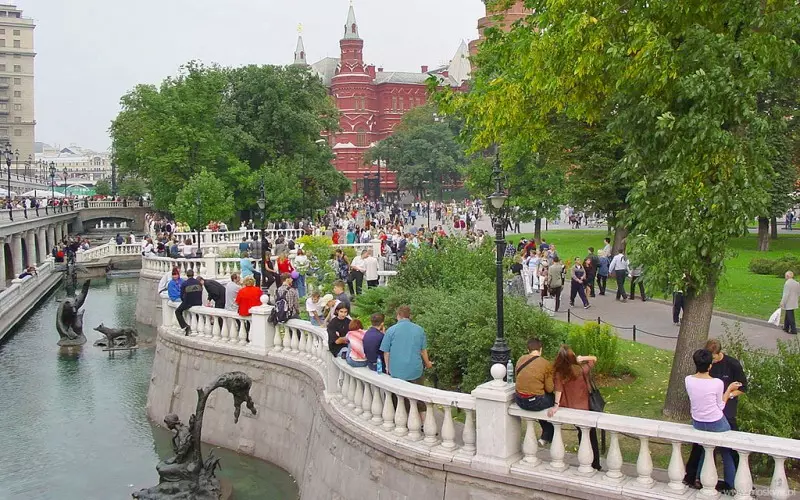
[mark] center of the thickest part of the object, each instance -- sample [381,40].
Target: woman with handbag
[571,380]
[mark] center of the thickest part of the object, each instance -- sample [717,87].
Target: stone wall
[148,303]
[296,429]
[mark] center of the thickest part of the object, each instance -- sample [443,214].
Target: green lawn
[740,292]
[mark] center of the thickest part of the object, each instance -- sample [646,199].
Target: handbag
[596,401]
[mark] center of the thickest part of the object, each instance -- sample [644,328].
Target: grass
[740,291]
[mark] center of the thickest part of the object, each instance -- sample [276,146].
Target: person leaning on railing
[534,385]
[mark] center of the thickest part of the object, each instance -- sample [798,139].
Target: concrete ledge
[14,313]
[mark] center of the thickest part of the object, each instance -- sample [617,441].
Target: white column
[65,229]
[58,234]
[16,254]
[262,332]
[2,263]
[30,244]
[51,238]
[498,440]
[41,240]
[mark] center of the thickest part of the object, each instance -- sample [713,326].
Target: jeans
[301,285]
[621,284]
[728,466]
[556,292]
[539,403]
[601,283]
[789,324]
[590,281]
[354,363]
[372,283]
[577,288]
[634,281]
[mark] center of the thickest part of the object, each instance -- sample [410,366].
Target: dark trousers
[556,292]
[372,283]
[621,284]
[602,281]
[677,306]
[693,464]
[179,314]
[634,281]
[595,447]
[269,279]
[257,277]
[356,277]
[590,281]
[789,324]
[539,403]
[577,288]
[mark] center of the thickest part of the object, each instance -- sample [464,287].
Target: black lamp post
[262,205]
[16,160]
[66,187]
[28,166]
[8,154]
[500,350]
[52,180]
[198,202]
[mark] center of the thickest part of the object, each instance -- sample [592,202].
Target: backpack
[281,307]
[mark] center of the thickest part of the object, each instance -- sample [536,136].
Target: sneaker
[587,306]
[188,331]
[624,299]
[543,443]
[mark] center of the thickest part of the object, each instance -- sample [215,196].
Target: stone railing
[17,215]
[108,251]
[492,435]
[21,287]
[116,204]
[209,237]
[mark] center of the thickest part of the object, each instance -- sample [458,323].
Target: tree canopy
[677,87]
[236,123]
[204,198]
[102,187]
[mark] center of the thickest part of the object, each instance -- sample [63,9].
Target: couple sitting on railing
[566,383]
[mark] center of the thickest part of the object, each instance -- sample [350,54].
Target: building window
[17,68]
[17,81]
[2,67]
[16,32]
[17,93]
[3,119]
[402,103]
[4,79]
[3,106]
[16,56]
[18,107]
[361,138]
[2,31]
[17,132]
[2,42]
[17,119]
[17,44]
[394,103]
[3,132]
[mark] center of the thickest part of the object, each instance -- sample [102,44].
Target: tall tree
[102,187]
[678,86]
[204,198]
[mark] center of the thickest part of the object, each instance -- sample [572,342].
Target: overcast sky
[90,52]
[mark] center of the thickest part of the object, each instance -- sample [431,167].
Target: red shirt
[335,237]
[249,296]
[285,266]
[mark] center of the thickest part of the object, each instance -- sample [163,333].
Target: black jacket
[192,293]
[216,292]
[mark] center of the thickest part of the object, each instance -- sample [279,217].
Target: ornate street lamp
[52,180]
[262,205]
[8,154]
[28,166]
[198,202]
[500,350]
[66,187]
[16,160]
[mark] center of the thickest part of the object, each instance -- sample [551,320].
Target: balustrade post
[167,313]
[208,266]
[779,486]
[585,454]
[743,483]
[614,458]
[644,464]
[262,332]
[498,433]
[708,474]
[676,469]
[530,445]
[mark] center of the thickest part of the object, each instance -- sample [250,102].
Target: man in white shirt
[231,291]
[619,266]
[357,269]
[371,270]
[791,293]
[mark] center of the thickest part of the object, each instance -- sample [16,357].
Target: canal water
[73,423]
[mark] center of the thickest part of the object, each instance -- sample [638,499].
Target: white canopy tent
[4,192]
[43,193]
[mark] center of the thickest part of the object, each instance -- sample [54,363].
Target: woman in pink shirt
[707,396]
[355,343]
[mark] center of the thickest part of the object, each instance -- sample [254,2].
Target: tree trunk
[620,237]
[773,223]
[537,231]
[763,234]
[693,335]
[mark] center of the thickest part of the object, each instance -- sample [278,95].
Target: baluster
[242,333]
[277,341]
[303,345]
[779,487]
[676,470]
[743,483]
[644,464]
[557,449]
[468,434]
[430,428]
[708,474]
[295,340]
[530,445]
[414,422]
[388,412]
[614,458]
[357,397]
[366,402]
[345,388]
[585,453]
[310,344]
[351,393]
[377,406]
[287,338]
[448,429]
[400,417]
[215,328]
[193,324]
[209,325]
[224,331]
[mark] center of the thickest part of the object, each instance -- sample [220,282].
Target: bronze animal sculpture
[118,337]
[186,476]
[69,319]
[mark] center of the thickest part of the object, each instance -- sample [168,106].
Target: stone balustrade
[210,237]
[484,431]
[23,294]
[116,204]
[17,215]
[108,251]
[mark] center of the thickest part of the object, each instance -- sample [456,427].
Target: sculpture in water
[116,337]
[69,318]
[186,475]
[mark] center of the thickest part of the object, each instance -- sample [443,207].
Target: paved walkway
[653,320]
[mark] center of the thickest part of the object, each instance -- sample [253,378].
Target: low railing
[17,215]
[108,251]
[207,236]
[117,204]
[495,436]
[21,287]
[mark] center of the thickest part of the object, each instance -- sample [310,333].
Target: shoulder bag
[596,401]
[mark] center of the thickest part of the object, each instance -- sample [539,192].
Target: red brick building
[499,19]
[372,102]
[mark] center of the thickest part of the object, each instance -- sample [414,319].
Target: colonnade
[37,244]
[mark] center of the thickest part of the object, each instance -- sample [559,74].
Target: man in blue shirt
[372,341]
[405,349]
[191,295]
[174,286]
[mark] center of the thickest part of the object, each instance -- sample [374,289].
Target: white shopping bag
[549,306]
[775,319]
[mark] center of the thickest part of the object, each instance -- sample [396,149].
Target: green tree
[132,187]
[677,86]
[202,199]
[423,151]
[102,187]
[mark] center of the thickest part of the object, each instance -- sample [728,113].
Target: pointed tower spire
[300,51]
[351,26]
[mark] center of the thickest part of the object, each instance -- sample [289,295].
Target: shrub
[761,266]
[454,265]
[601,341]
[775,267]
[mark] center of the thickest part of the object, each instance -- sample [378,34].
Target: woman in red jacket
[284,264]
